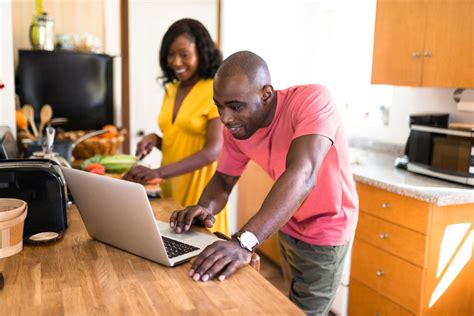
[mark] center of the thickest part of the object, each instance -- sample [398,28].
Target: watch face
[248,240]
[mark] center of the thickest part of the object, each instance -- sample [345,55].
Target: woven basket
[93,146]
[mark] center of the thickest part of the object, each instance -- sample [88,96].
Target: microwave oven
[444,153]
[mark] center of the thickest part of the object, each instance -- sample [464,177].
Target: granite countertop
[377,169]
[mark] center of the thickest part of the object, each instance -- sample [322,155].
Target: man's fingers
[180,220]
[197,261]
[229,270]
[190,216]
[205,265]
[217,267]
[209,221]
[173,218]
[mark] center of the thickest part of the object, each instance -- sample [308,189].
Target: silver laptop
[118,213]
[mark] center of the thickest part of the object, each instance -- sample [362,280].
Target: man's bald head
[245,63]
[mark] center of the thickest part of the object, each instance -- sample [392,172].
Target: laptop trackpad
[189,237]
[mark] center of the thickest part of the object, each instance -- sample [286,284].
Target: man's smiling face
[240,104]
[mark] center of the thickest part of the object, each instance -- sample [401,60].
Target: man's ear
[267,92]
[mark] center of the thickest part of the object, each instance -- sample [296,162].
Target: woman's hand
[142,174]
[182,220]
[147,143]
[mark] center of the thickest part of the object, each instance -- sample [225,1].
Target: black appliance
[78,86]
[435,150]
[41,184]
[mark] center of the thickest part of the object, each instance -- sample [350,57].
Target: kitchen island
[78,275]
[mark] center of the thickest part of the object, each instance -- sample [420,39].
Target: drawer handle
[385,205]
[380,273]
[377,314]
[383,235]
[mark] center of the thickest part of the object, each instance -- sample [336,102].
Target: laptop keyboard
[176,248]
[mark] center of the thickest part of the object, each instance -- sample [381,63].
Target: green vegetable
[118,163]
[113,164]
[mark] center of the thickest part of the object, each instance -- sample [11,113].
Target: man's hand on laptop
[182,220]
[221,259]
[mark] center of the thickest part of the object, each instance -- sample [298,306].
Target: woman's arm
[204,157]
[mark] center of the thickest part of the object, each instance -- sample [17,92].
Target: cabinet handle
[383,235]
[415,54]
[385,205]
[141,133]
[380,273]
[378,314]
[428,54]
[2,85]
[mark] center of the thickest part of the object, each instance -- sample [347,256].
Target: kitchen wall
[7,94]
[330,42]
[407,100]
[71,16]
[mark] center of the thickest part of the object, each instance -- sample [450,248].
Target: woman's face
[183,59]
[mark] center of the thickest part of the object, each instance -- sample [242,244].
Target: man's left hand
[221,259]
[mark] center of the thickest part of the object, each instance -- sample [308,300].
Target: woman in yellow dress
[189,120]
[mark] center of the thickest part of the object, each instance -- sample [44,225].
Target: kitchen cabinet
[426,43]
[254,185]
[411,257]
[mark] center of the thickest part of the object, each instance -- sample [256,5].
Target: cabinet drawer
[391,276]
[365,301]
[394,208]
[397,240]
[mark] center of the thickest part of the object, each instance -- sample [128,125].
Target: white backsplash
[406,101]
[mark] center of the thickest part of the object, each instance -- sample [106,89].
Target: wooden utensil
[29,112]
[46,114]
[58,121]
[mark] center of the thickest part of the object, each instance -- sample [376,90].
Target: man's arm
[304,159]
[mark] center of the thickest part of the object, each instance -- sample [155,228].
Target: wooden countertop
[80,276]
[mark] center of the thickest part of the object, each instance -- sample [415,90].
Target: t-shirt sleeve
[315,113]
[213,113]
[209,109]
[232,161]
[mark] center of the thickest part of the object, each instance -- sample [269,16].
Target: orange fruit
[112,131]
[21,121]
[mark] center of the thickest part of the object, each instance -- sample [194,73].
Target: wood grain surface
[80,276]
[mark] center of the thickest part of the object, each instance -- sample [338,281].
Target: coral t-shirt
[328,216]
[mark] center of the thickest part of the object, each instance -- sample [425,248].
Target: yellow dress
[184,137]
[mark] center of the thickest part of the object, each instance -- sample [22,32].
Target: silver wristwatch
[247,240]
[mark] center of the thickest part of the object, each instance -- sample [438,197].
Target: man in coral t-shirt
[296,136]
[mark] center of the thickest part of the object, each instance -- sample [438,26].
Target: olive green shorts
[314,273]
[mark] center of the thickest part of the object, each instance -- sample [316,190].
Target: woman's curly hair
[210,58]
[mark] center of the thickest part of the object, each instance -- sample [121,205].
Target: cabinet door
[398,42]
[365,301]
[448,54]
[254,185]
